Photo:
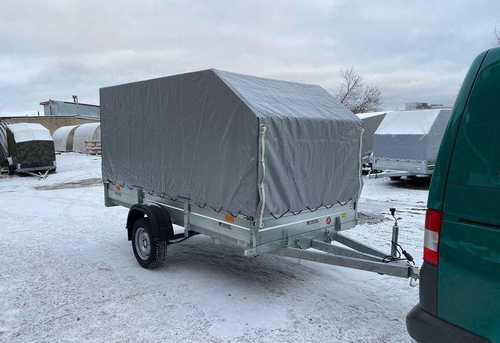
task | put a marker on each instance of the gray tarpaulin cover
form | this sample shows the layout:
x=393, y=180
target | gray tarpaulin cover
x=3, y=145
x=411, y=135
x=196, y=136
x=371, y=122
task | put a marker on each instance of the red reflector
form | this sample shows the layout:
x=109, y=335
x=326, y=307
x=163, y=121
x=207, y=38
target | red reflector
x=431, y=256
x=433, y=220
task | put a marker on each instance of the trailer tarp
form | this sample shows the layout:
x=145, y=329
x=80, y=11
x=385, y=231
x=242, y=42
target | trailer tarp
x=4, y=154
x=411, y=135
x=197, y=136
x=371, y=122
x=30, y=145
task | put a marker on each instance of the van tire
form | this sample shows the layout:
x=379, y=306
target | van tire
x=149, y=252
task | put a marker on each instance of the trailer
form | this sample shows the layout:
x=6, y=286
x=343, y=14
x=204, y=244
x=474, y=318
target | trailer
x=407, y=142
x=395, y=168
x=268, y=166
x=28, y=148
x=370, y=121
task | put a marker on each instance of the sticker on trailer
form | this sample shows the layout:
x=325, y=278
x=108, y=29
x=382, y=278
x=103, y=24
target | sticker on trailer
x=118, y=190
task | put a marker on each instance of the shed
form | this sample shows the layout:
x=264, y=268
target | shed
x=63, y=138
x=232, y=142
x=411, y=135
x=90, y=132
x=371, y=122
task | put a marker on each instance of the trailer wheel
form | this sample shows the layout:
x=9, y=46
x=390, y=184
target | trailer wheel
x=149, y=252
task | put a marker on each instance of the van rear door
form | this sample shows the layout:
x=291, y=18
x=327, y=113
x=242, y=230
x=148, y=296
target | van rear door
x=469, y=248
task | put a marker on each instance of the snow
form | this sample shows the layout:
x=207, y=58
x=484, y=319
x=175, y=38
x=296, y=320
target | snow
x=67, y=274
x=408, y=122
x=24, y=132
x=370, y=114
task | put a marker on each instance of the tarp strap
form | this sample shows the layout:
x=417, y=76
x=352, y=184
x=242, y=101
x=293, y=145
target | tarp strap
x=262, y=174
x=360, y=166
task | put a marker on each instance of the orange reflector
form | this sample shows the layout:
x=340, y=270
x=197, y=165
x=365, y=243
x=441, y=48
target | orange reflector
x=229, y=218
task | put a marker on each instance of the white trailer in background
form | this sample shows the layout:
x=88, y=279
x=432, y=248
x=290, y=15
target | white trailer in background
x=407, y=142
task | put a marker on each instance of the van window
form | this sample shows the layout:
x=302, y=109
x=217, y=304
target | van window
x=473, y=187
x=476, y=159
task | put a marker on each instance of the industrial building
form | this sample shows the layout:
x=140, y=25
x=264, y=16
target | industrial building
x=67, y=108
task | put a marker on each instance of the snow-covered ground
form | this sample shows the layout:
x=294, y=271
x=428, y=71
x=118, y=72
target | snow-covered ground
x=67, y=274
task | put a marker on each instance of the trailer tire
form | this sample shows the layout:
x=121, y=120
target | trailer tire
x=149, y=252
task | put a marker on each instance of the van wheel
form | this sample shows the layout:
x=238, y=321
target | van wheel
x=149, y=252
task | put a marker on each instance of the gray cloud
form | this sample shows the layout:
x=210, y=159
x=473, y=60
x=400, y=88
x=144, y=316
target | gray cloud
x=413, y=50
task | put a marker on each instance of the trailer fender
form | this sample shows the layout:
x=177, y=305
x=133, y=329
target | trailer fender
x=159, y=217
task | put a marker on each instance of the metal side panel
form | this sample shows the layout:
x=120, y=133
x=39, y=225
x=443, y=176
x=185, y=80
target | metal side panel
x=336, y=218
x=319, y=224
x=118, y=195
x=215, y=226
x=417, y=167
x=240, y=230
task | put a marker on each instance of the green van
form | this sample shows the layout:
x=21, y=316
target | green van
x=460, y=276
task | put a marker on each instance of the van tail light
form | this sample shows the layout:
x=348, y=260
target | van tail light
x=433, y=221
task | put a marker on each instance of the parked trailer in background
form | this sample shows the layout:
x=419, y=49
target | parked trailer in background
x=371, y=121
x=407, y=142
x=30, y=148
x=268, y=166
x=4, y=150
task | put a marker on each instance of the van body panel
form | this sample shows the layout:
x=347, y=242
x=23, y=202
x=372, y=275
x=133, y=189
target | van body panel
x=460, y=297
x=438, y=182
x=469, y=248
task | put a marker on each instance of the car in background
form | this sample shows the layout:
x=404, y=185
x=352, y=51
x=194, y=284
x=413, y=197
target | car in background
x=460, y=276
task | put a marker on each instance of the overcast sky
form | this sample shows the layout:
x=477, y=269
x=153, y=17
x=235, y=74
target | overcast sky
x=412, y=50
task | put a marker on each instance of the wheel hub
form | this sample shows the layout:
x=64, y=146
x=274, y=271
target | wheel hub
x=142, y=243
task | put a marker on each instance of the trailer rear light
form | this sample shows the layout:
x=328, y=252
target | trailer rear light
x=433, y=221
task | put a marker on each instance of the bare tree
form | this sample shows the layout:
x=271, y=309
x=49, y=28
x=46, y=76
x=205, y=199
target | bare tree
x=355, y=95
